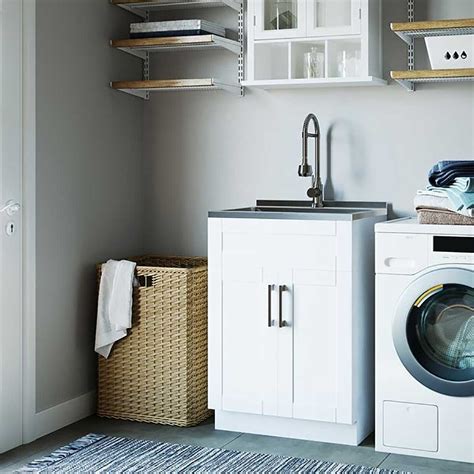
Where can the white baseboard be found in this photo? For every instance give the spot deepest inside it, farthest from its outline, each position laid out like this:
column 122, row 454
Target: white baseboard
column 66, row 413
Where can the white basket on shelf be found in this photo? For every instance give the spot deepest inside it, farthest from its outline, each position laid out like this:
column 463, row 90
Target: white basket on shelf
column 451, row 52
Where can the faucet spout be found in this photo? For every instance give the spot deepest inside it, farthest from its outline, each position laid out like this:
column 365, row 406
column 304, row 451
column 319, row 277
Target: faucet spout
column 305, row 170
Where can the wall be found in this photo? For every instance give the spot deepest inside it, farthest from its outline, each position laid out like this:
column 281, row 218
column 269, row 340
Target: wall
column 89, row 199
column 212, row 151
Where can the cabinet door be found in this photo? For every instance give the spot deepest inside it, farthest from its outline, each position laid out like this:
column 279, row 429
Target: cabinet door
column 315, row 345
column 243, row 334
column 333, row 17
column 279, row 19
column 278, row 399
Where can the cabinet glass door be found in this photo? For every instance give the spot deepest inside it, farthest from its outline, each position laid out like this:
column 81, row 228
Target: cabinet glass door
column 333, row 17
column 280, row 18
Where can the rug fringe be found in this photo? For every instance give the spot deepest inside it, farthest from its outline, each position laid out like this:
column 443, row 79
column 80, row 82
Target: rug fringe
column 62, row 453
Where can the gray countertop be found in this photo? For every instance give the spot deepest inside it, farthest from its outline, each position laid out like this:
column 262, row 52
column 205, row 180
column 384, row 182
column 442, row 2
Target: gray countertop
column 302, row 210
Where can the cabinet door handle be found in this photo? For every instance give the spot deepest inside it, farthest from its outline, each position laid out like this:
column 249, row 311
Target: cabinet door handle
column 270, row 289
column 281, row 289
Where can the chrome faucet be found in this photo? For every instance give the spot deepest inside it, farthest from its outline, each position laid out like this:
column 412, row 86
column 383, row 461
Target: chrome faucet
column 315, row 192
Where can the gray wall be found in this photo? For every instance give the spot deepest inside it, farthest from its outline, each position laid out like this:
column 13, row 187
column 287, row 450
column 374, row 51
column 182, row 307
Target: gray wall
column 97, row 198
column 89, row 183
column 210, row 150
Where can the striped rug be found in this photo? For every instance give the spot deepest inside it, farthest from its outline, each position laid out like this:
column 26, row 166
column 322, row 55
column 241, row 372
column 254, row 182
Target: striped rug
column 99, row 453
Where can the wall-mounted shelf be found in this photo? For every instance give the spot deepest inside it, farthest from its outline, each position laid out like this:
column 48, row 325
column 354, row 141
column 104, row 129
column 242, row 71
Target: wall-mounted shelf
column 422, row 29
column 139, row 47
column 142, row 7
column 142, row 88
column 408, row 78
column 143, row 47
column 319, row 82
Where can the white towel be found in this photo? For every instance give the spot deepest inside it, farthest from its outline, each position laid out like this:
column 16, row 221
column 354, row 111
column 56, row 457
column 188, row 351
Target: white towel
column 438, row 200
column 114, row 310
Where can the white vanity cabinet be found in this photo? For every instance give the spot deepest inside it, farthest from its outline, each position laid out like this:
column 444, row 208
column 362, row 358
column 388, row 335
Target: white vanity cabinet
column 310, row 43
column 291, row 327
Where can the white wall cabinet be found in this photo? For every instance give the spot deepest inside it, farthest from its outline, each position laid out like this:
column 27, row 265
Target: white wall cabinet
column 290, row 327
column 306, row 18
column 345, row 33
column 333, row 17
column 279, row 18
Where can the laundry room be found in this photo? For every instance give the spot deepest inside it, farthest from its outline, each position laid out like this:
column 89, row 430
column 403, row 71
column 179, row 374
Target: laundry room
column 237, row 236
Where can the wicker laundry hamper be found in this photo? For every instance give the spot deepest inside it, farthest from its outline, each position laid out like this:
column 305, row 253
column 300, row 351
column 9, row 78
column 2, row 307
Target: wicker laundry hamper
column 158, row 373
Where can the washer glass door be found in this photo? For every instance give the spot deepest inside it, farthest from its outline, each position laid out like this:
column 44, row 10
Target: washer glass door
column 434, row 332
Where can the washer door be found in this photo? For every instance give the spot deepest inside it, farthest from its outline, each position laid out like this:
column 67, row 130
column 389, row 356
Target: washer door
column 433, row 331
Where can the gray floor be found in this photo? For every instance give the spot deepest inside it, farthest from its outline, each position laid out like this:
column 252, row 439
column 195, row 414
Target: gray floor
column 206, row 435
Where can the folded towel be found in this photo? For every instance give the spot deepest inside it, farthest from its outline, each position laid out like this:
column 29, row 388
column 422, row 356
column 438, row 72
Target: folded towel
column 114, row 311
column 438, row 199
column 442, row 217
column 445, row 172
column 459, row 200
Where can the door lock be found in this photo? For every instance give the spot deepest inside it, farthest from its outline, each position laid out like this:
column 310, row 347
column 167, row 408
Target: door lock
column 10, row 229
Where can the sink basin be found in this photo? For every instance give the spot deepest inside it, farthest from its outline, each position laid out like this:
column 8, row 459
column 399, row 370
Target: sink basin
column 332, row 210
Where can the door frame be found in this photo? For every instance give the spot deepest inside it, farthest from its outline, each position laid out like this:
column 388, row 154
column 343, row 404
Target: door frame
column 19, row 427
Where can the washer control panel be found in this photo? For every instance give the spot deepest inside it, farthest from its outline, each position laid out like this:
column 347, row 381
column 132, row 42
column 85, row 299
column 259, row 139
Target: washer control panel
column 452, row 249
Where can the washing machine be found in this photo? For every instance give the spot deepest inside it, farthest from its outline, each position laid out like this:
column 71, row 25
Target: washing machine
column 424, row 340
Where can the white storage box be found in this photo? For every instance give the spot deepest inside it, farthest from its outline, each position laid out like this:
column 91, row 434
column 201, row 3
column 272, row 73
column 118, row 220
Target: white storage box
column 451, row 52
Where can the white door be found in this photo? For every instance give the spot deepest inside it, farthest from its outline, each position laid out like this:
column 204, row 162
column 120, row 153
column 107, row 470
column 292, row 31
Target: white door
column 315, row 346
column 243, row 333
column 10, row 224
column 333, row 17
column 257, row 359
column 243, row 323
column 279, row 19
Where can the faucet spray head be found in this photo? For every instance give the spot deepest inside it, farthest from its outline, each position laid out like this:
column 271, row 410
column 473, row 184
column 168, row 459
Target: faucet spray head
column 305, row 170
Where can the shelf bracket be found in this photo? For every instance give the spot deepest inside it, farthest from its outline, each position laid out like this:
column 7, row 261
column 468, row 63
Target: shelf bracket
column 240, row 65
column 410, row 86
column 146, row 62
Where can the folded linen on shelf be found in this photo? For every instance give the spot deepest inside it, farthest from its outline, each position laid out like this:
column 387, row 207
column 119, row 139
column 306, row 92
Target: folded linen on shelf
column 443, row 217
column 445, row 172
column 114, row 310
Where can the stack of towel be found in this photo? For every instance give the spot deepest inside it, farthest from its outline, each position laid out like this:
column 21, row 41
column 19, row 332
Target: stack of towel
column 449, row 199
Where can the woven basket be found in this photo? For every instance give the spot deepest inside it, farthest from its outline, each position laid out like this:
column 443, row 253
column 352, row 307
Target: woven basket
column 158, row 373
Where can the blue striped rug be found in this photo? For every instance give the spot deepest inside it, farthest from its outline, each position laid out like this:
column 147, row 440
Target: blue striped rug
column 100, row 453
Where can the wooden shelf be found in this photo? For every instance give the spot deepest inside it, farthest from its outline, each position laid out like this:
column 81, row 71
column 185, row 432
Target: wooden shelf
column 141, row 7
column 139, row 47
column 419, row 29
column 313, row 83
column 142, row 88
column 408, row 78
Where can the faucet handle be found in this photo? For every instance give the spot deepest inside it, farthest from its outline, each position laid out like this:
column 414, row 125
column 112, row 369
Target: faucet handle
column 314, row 193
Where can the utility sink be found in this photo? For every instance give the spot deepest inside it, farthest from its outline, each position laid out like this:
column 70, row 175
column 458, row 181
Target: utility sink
column 332, row 210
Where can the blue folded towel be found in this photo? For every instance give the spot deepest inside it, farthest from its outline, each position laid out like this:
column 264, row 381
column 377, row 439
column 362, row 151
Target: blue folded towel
column 444, row 173
column 459, row 200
